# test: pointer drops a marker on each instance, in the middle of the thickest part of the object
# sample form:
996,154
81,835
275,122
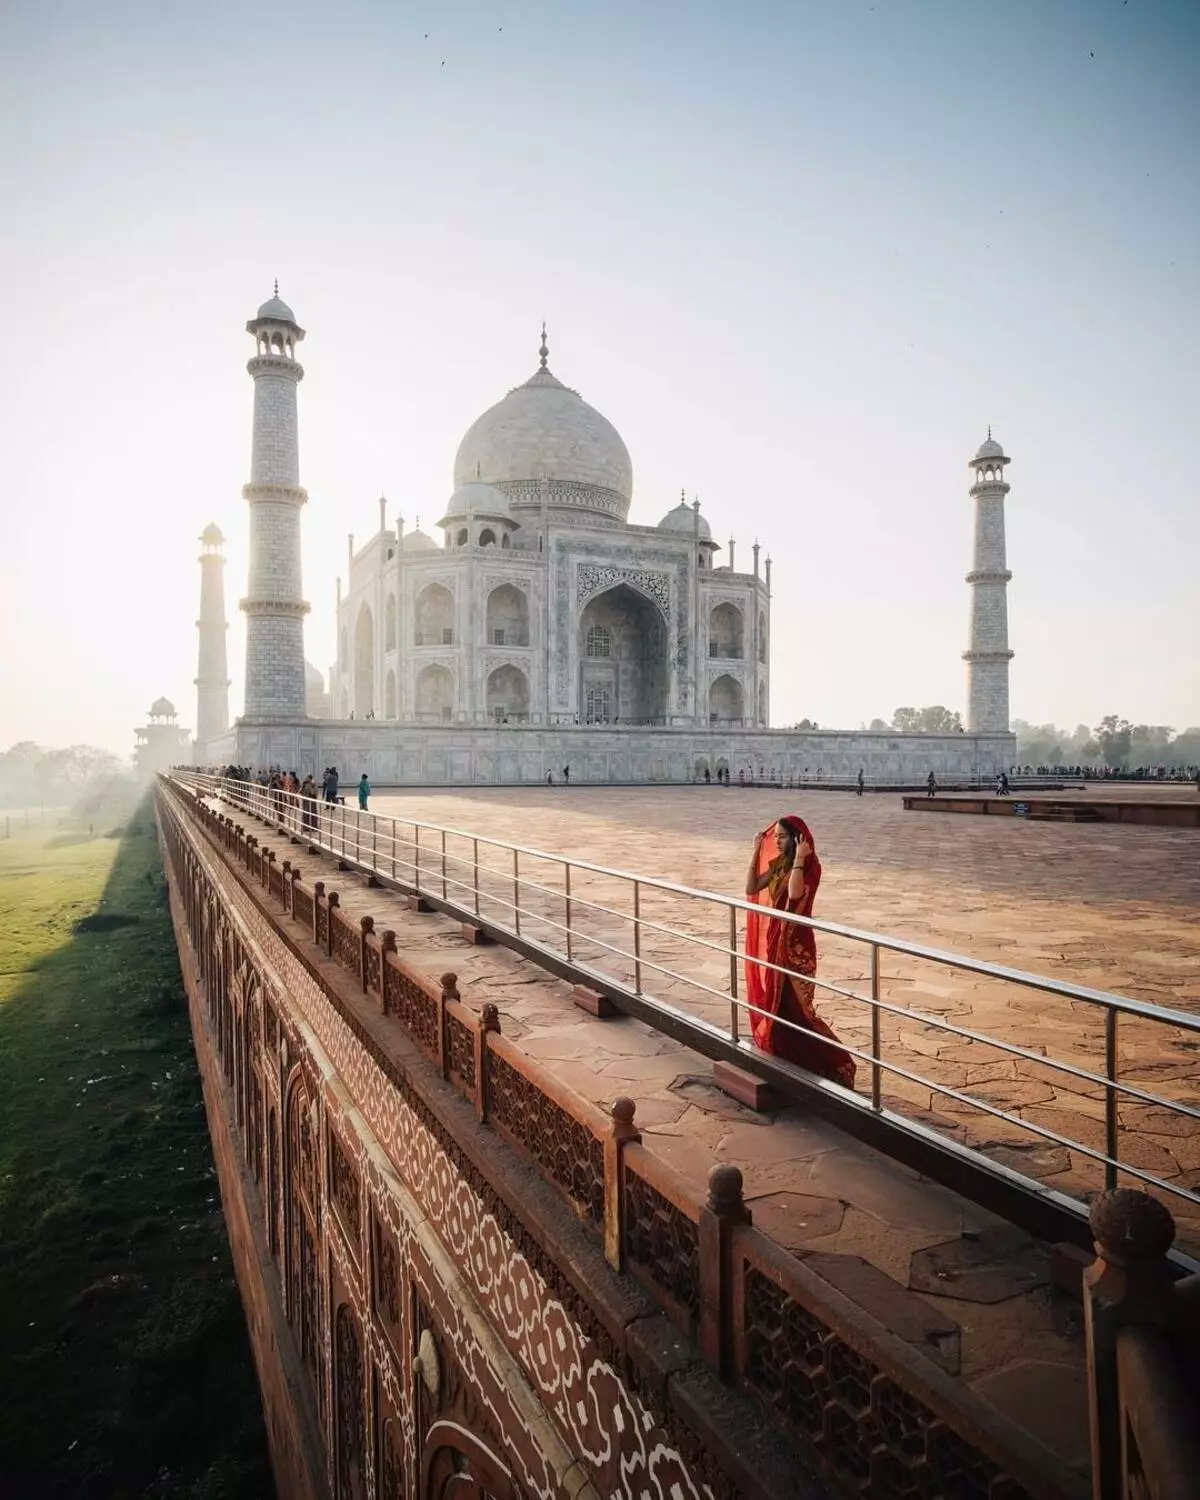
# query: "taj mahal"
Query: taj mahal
535,626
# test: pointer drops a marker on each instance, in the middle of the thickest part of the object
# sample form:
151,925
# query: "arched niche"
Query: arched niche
507,616
434,616
508,695
726,631
389,696
726,702
435,693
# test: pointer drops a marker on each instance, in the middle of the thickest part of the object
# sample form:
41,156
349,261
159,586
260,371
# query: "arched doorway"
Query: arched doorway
624,673
435,693
364,664
434,616
507,617
725,701
508,695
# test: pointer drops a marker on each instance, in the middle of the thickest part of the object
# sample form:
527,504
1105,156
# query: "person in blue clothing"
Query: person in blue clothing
364,791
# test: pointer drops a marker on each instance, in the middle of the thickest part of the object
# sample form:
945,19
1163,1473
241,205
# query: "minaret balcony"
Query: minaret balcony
989,575
275,364
281,494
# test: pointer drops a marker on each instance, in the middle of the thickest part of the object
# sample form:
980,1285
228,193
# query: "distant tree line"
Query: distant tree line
1114,742
37,776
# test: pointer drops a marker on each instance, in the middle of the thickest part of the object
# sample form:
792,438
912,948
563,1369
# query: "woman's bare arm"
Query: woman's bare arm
755,882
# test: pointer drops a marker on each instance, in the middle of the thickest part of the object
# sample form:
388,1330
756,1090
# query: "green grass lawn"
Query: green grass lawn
125,1367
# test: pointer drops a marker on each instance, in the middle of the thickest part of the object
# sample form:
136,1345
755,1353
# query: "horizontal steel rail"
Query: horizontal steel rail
544,920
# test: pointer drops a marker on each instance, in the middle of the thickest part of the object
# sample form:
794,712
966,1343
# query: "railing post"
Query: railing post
443,864
720,1216
318,897
291,895
567,914
449,992
623,1131
734,1018
489,1021
637,937
876,1071
516,895
1129,1282
1111,1100
475,872
287,886
269,861
417,858
366,925
387,944
393,848
331,906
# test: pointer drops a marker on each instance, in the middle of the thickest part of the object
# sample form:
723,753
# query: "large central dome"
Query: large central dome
543,431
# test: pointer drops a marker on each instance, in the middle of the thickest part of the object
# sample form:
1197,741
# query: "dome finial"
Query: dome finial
989,432
277,286
544,351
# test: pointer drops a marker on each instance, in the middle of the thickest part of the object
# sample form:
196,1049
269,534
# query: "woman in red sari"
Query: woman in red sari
784,874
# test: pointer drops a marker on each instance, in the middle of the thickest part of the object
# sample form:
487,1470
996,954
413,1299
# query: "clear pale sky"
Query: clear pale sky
800,254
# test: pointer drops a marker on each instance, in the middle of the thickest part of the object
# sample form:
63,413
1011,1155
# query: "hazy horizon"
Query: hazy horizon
800,255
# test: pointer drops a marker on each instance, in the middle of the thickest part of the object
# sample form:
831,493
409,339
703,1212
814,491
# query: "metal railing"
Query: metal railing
673,955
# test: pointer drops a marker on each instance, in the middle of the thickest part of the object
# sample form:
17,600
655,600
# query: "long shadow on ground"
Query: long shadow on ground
127,1368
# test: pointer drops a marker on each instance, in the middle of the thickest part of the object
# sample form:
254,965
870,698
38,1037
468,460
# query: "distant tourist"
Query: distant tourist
707,777
567,774
1002,785
549,778
861,783
931,785
364,791
783,876
308,804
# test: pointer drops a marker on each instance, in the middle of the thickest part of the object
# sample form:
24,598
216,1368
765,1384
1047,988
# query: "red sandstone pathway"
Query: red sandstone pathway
1108,906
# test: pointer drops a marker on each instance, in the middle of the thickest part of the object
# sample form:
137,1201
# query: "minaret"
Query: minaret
212,679
987,655
273,604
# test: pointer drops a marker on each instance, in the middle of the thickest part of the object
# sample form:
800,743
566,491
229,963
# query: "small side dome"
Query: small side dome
418,541
276,310
477,499
211,535
989,448
313,677
162,708
683,519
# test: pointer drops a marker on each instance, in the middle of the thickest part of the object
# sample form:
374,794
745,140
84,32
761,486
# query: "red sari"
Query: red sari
791,946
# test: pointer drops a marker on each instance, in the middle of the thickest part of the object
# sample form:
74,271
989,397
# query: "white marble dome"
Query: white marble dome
275,310
683,518
477,499
314,678
544,430
417,541
989,448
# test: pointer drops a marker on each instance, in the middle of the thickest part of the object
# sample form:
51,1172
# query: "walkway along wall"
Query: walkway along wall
459,1276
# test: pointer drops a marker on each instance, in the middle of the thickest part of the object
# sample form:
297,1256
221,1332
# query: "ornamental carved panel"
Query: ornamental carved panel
350,1414
597,578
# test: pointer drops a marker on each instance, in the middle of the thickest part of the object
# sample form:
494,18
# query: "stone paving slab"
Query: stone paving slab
811,1187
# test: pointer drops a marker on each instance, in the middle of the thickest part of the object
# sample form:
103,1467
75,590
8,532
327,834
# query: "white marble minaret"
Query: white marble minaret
987,655
275,610
212,669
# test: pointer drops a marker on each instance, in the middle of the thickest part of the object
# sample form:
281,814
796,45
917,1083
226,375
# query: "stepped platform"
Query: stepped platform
1148,811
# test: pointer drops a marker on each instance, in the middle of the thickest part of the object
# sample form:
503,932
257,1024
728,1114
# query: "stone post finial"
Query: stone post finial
544,351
